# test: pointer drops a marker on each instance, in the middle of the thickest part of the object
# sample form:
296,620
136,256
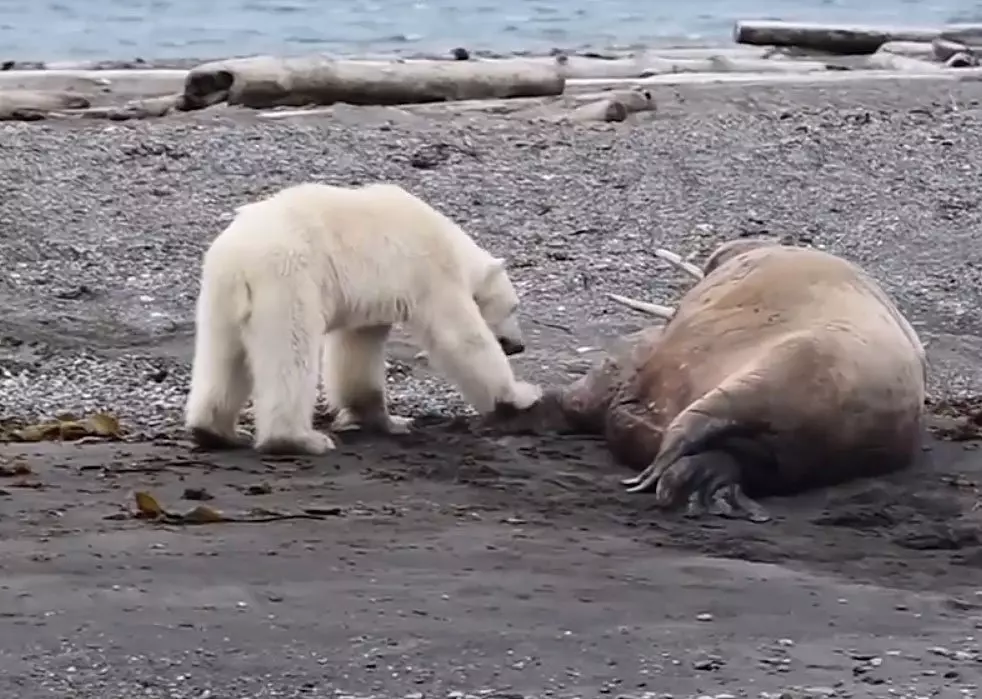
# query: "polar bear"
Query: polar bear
309,282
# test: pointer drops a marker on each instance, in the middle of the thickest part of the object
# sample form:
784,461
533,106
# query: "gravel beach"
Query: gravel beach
494,567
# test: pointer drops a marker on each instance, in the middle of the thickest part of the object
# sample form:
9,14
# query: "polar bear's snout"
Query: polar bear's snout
510,346
509,335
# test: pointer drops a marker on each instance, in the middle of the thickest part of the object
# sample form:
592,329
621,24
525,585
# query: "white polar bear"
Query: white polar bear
310,280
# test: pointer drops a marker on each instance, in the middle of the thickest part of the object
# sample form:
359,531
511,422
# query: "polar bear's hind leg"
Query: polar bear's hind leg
220,378
354,380
283,341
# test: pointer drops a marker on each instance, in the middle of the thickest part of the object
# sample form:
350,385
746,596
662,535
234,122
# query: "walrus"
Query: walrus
784,368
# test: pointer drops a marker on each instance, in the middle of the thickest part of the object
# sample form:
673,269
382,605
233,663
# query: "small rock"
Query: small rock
197,494
704,617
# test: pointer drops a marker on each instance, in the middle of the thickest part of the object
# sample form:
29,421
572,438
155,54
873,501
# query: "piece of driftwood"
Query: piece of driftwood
838,38
268,81
905,64
727,64
614,106
583,67
946,50
962,60
607,110
33,105
911,49
150,108
831,77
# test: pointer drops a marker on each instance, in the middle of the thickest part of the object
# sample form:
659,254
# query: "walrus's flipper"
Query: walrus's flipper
730,501
695,466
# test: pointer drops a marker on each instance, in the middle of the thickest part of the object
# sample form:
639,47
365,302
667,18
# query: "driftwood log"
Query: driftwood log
840,39
32,105
267,81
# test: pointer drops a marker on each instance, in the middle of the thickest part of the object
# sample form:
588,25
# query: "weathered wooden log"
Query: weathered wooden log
32,105
269,81
838,39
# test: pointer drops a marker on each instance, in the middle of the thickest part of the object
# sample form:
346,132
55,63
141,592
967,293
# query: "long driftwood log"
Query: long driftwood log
840,38
268,81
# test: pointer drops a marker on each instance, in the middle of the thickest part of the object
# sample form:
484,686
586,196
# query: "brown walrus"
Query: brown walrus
783,368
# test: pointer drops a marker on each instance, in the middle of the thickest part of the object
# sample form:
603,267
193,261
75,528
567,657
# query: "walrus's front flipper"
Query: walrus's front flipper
730,501
709,483
695,465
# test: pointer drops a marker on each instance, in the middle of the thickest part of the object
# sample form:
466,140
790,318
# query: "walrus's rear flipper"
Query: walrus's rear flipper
695,465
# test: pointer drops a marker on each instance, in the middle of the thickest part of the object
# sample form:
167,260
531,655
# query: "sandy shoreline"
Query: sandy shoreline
459,562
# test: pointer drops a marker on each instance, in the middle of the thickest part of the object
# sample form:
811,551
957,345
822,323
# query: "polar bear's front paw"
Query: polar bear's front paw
310,443
525,395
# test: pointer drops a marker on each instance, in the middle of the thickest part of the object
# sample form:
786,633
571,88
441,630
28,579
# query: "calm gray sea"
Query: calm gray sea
158,29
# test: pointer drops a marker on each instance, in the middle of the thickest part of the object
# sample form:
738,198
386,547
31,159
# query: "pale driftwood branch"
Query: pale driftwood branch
676,260
657,65
653,309
32,105
912,49
902,64
837,38
581,67
269,81
136,82
150,108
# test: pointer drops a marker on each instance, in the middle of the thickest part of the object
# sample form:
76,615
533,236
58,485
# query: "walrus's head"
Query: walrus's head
725,252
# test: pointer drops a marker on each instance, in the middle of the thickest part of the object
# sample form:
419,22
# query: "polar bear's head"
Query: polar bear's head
498,302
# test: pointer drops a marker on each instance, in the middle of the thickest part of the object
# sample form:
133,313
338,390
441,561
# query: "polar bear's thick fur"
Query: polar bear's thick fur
309,281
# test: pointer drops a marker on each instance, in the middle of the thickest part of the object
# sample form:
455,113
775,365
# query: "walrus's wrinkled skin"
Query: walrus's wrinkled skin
784,368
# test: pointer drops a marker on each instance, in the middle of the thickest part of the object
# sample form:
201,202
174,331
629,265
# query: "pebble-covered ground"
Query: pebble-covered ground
454,563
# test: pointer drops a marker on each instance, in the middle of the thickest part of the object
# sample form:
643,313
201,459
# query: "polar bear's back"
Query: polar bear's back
377,245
